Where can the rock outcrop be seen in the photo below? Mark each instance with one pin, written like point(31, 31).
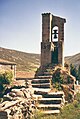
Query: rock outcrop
point(18, 104)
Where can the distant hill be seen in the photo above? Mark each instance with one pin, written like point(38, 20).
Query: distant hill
point(75, 59)
point(24, 61)
point(29, 61)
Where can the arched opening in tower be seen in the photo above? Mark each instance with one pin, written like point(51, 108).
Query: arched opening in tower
point(55, 33)
point(54, 53)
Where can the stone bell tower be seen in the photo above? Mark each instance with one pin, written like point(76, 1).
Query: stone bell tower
point(52, 39)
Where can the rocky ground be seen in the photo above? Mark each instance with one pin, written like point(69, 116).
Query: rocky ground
point(17, 104)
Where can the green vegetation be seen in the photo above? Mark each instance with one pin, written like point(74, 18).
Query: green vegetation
point(62, 80)
point(75, 71)
point(72, 110)
point(78, 74)
point(57, 79)
point(5, 79)
point(69, 111)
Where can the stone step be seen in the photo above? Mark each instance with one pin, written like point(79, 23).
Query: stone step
point(47, 73)
point(48, 108)
point(48, 105)
point(42, 89)
point(49, 101)
point(40, 81)
point(43, 77)
point(37, 97)
point(57, 92)
point(42, 85)
point(53, 95)
point(51, 112)
point(46, 93)
point(40, 92)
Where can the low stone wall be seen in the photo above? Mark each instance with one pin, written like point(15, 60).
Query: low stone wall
point(18, 104)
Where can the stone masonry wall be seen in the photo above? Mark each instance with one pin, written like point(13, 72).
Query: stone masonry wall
point(48, 22)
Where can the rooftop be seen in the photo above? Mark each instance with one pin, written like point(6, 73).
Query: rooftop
point(5, 62)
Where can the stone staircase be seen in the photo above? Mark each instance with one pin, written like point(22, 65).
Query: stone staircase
point(45, 70)
point(42, 82)
point(51, 102)
point(48, 101)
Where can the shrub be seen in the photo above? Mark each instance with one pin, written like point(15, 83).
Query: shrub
point(58, 79)
point(77, 97)
point(5, 79)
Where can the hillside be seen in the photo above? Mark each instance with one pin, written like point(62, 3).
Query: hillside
point(75, 59)
point(29, 61)
point(24, 61)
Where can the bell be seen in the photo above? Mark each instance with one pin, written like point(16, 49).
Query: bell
point(55, 31)
point(55, 36)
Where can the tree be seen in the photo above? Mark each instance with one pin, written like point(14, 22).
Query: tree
point(78, 76)
point(73, 70)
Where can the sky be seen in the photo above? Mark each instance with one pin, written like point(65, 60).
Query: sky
point(21, 24)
